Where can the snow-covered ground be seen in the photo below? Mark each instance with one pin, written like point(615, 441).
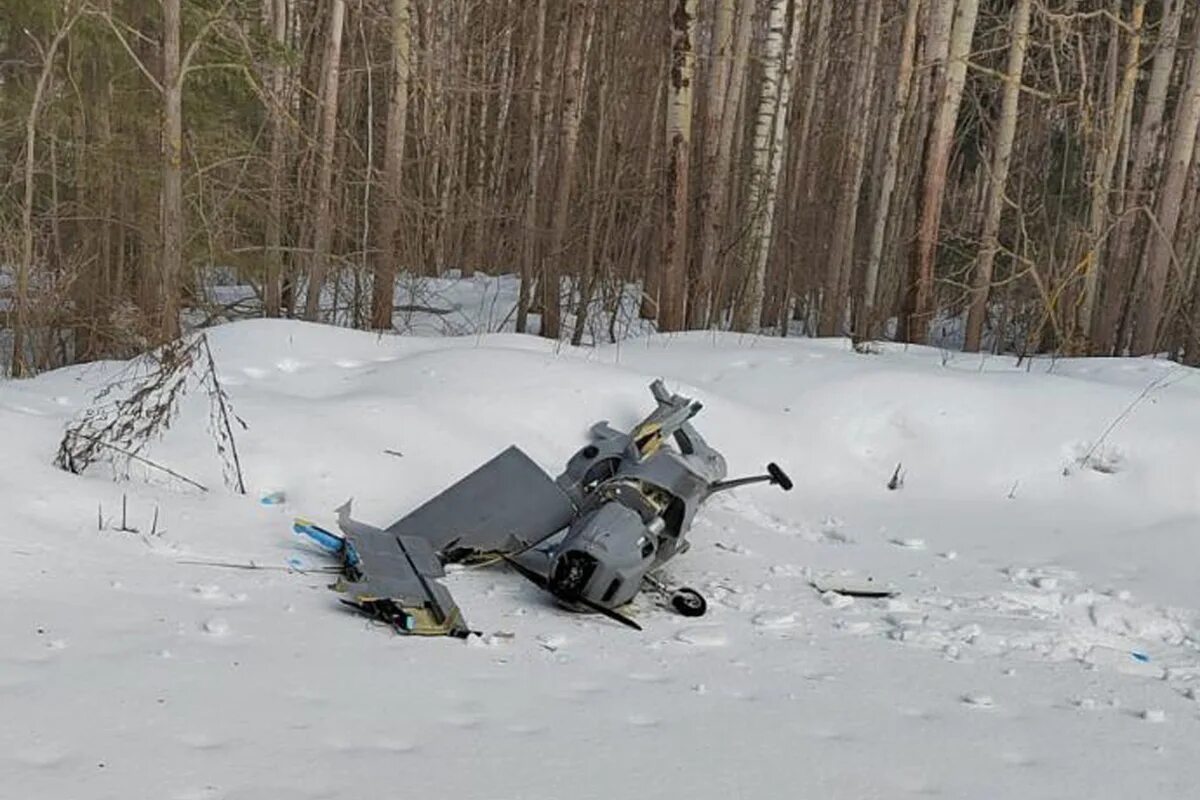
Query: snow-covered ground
point(1043, 644)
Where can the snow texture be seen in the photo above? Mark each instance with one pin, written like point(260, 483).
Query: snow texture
point(1046, 617)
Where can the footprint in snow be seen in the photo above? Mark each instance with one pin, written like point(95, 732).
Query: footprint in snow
point(216, 627)
point(909, 543)
point(643, 721)
point(290, 365)
point(207, 591)
point(44, 756)
point(198, 793)
point(703, 636)
point(650, 677)
point(397, 746)
point(775, 620)
point(203, 741)
point(463, 721)
point(976, 700)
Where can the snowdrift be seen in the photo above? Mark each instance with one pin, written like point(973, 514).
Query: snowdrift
point(1044, 540)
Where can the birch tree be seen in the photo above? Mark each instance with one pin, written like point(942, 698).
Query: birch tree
point(937, 157)
point(764, 171)
point(529, 245)
point(279, 16)
point(171, 229)
point(1160, 248)
point(673, 290)
point(1146, 144)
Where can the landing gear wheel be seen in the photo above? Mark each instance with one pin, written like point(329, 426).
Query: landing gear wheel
point(689, 603)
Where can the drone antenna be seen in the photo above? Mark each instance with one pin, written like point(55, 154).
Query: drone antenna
point(775, 475)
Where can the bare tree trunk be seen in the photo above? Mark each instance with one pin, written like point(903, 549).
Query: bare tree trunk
point(673, 289)
point(651, 274)
point(579, 22)
point(529, 244)
point(841, 255)
point(20, 366)
point(1102, 181)
point(323, 219)
point(887, 184)
point(764, 177)
point(713, 173)
point(1191, 352)
point(937, 160)
point(1160, 248)
point(383, 284)
point(279, 109)
point(604, 77)
point(715, 203)
point(1124, 262)
point(171, 267)
point(998, 180)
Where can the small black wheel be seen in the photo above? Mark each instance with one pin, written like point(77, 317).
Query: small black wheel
point(689, 603)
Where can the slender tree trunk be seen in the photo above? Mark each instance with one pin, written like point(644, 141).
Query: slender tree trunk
point(279, 108)
point(887, 184)
point(529, 242)
point(1191, 352)
point(937, 161)
point(651, 274)
point(713, 173)
point(705, 309)
point(20, 325)
point(841, 258)
point(604, 78)
point(579, 22)
point(1160, 248)
point(998, 180)
point(383, 284)
point(171, 267)
point(323, 216)
point(673, 289)
point(764, 176)
point(1102, 181)
point(1124, 262)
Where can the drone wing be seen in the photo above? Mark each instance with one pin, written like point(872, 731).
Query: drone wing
point(393, 578)
point(505, 506)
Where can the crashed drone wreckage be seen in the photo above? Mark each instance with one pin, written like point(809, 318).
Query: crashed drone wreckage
point(593, 538)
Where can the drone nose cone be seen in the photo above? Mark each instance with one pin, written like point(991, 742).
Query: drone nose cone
point(571, 573)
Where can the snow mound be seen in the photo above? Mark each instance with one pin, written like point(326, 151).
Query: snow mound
point(1046, 572)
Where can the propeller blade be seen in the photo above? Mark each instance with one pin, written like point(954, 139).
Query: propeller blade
point(537, 579)
point(615, 616)
point(541, 582)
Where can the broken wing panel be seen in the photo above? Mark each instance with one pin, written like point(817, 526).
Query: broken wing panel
point(393, 578)
point(503, 506)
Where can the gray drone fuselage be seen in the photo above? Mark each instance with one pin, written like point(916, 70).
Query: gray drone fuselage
point(635, 507)
point(620, 510)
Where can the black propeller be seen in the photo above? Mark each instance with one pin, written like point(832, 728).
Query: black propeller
point(540, 581)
